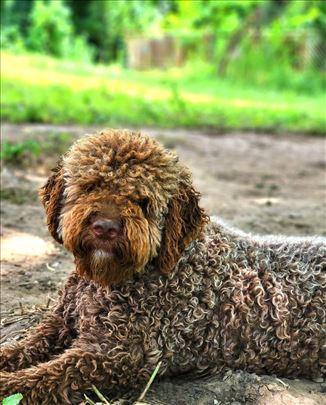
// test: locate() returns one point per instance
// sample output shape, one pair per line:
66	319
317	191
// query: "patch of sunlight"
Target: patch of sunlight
45	78
267	201
20	245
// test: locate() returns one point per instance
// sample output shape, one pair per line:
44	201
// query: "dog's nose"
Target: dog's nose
106	228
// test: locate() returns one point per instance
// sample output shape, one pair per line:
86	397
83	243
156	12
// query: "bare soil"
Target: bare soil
258	182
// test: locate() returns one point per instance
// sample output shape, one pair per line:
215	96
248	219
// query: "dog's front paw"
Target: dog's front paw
6	384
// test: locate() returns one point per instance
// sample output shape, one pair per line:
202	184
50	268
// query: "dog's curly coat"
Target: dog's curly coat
164	284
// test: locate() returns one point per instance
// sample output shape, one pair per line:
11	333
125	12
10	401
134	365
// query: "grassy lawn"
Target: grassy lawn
41	89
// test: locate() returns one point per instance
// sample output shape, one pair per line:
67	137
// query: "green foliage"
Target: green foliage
11	39
108	23
211	15
80	50
15	13
51	32
270	63
28	150
65	93
279	44
277	47
50	28
14	152
13	399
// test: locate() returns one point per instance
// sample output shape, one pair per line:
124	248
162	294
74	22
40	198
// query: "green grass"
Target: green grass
26	152
41	89
12	399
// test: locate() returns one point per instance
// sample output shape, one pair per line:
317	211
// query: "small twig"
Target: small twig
150	381
283	383
6	312
89	400
10	321
50	267
18	332
101	396
48	302
3	321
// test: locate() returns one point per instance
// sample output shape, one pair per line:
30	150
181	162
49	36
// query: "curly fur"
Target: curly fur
173	287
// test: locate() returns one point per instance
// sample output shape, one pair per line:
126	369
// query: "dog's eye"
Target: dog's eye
90	187
143	203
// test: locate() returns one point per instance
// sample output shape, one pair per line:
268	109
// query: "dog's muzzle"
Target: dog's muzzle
107	229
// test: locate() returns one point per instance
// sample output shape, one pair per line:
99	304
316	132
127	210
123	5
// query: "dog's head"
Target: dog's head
118	201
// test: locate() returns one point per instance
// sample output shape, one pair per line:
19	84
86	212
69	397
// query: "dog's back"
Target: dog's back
265	298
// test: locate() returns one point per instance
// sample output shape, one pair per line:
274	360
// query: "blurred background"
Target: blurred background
218	64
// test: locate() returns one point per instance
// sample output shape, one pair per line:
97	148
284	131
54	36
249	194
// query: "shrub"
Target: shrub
50	28
14	152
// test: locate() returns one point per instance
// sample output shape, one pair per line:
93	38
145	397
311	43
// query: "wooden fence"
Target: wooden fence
166	52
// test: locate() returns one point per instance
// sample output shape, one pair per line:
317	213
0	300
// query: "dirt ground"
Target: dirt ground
258	182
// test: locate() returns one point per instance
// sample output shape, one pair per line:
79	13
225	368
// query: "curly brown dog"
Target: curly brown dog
155	280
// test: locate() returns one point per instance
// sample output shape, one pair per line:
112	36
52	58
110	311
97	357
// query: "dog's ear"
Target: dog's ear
184	222
51	195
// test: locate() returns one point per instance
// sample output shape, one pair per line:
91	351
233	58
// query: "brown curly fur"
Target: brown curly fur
172	287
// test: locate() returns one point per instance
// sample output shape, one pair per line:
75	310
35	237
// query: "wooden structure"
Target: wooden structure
167	51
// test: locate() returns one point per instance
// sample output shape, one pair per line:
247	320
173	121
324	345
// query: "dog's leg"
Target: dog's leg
46	340
58	381
64	379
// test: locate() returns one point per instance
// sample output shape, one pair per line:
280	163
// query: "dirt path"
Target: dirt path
260	183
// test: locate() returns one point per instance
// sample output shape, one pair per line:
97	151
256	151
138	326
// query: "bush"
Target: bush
15	152
51	32
81	51
50	28
11	39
